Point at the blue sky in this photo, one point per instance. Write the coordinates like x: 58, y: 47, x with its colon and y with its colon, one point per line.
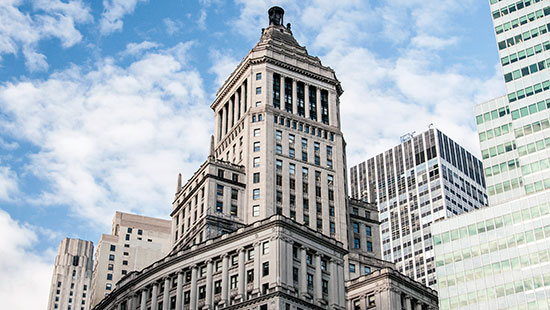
x: 103, y: 103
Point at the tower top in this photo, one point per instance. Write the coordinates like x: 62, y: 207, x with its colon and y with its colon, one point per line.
x: 276, y: 15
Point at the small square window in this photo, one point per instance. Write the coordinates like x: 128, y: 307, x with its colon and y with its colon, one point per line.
x: 258, y: 90
x: 258, y: 76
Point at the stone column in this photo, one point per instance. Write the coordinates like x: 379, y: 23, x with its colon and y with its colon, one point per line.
x: 395, y: 299
x: 280, y: 248
x: 318, y: 105
x: 418, y: 306
x: 154, y: 298
x: 306, y: 100
x: 257, y: 268
x: 289, y: 265
x: 144, y: 299
x: 225, y: 280
x: 243, y: 103
x: 333, y: 285
x: 303, y: 271
x: 242, y: 277
x: 341, y: 286
x: 179, y: 291
x: 318, y: 284
x: 408, y: 303
x: 282, y: 93
x: 193, y: 293
x: 225, y: 119
x: 166, y: 294
x: 209, y: 283
x: 238, y: 105
x: 131, y: 303
x: 294, y: 97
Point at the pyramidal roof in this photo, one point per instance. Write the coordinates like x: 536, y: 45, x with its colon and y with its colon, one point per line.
x: 278, y: 45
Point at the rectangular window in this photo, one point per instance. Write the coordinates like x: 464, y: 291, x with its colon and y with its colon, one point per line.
x: 265, y: 248
x: 219, y: 190
x: 369, y: 246
x: 256, y: 161
x: 258, y: 90
x: 324, y: 107
x: 256, y: 194
x: 256, y: 146
x: 256, y: 177
x: 276, y: 90
x: 219, y: 206
x: 292, y: 169
x: 312, y: 103
x: 278, y: 135
x: 288, y: 95
x: 265, y: 269
x: 257, y: 132
x: 258, y: 76
x: 300, y: 100
x: 256, y: 210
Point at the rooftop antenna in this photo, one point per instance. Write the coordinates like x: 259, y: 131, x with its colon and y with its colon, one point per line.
x: 406, y: 137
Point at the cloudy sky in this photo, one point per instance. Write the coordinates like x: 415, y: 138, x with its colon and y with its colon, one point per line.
x: 102, y: 103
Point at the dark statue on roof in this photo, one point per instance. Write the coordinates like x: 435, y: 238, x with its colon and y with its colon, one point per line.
x: 276, y: 16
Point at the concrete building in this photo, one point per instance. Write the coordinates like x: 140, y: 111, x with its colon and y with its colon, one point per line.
x: 425, y: 179
x: 265, y: 222
x: 497, y: 258
x: 72, y: 275
x: 135, y: 242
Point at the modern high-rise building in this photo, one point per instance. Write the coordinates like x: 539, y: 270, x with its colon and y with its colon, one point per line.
x: 497, y: 258
x: 263, y: 223
x: 72, y: 275
x: 426, y: 178
x: 135, y: 242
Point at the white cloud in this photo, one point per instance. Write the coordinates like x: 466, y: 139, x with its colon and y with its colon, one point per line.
x: 22, y: 269
x: 201, y: 22
x: 48, y: 19
x: 222, y: 66
x: 387, y: 94
x: 172, y: 26
x: 112, y: 138
x: 113, y: 13
x: 8, y: 183
x: 138, y: 48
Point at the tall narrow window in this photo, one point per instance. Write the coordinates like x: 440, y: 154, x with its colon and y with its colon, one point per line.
x: 276, y: 90
x: 313, y: 103
x: 300, y: 100
x: 324, y: 106
x: 288, y: 95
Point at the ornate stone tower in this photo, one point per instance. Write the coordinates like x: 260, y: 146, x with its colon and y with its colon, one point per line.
x: 278, y: 116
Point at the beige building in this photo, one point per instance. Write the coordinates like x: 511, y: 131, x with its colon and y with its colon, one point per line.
x: 135, y: 242
x: 387, y: 289
x: 72, y: 275
x: 265, y: 222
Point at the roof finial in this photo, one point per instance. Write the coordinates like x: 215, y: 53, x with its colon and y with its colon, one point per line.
x: 276, y: 16
x: 178, y: 189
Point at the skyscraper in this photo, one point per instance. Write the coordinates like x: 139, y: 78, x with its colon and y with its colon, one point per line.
x: 497, y: 258
x: 72, y: 275
x: 427, y: 178
x: 263, y: 223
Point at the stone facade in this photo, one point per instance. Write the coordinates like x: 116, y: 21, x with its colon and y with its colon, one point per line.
x: 265, y: 222
x: 135, y: 242
x: 72, y: 275
x: 388, y: 289
x: 272, y: 264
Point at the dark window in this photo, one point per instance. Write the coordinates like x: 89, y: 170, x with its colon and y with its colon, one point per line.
x: 265, y: 269
x: 276, y: 90
x: 75, y: 260
x: 288, y: 95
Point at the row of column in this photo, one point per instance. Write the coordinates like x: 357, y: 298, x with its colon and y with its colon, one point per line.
x: 281, y: 254
x: 193, y: 296
x: 307, y: 109
x: 336, y: 294
x: 232, y: 111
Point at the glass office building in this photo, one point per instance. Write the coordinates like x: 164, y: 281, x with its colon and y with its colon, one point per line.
x: 498, y: 257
